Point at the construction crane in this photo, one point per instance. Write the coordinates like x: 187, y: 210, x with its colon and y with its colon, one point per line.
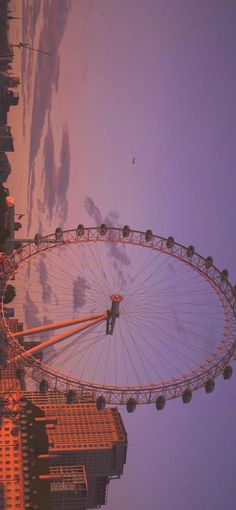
x: 24, y: 45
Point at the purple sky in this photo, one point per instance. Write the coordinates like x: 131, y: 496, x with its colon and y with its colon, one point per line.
x: 154, y: 80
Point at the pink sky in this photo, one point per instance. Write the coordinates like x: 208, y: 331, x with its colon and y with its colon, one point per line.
x: 153, y: 80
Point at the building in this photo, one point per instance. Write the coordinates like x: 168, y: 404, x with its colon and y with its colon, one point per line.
x: 54, y: 455
x: 8, y: 98
x: 6, y: 140
x: 5, y: 167
x: 8, y: 80
x: 9, y: 380
x: 80, y: 435
x: 58, y: 456
x: 11, y: 473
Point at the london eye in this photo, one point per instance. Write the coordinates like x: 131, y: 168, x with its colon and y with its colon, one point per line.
x: 121, y: 316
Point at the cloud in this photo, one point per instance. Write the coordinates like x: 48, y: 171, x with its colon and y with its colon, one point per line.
x: 43, y: 279
x: 111, y: 220
x: 93, y: 211
x: 79, y: 292
x: 47, y: 68
x: 56, y: 178
x: 118, y: 253
x: 31, y: 312
x: 55, y: 15
x: 41, y: 206
x: 63, y: 176
x: 32, y: 318
x: 30, y: 17
x: 50, y: 171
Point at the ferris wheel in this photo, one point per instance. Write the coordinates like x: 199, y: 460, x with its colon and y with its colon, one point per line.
x: 120, y: 316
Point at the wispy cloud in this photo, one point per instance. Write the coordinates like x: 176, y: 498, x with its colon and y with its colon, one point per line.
x: 30, y: 16
x: 31, y: 312
x: 93, y: 211
x: 33, y: 318
x: 63, y: 177
x: 47, y: 70
x: 49, y: 171
x: 79, y: 292
x: 56, y: 178
x: 111, y: 220
x: 43, y: 279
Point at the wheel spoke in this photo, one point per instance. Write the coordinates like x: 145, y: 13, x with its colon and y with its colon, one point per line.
x: 175, y: 320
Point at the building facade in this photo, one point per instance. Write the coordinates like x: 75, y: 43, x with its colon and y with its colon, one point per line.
x: 58, y: 456
x: 81, y: 436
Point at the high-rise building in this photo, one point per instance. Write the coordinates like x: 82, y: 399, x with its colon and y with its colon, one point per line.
x: 80, y: 435
x: 9, y: 380
x: 55, y: 455
x: 11, y: 472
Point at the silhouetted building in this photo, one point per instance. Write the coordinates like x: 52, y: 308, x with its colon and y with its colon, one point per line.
x: 6, y: 140
x: 5, y: 167
x: 8, y: 98
x: 8, y: 80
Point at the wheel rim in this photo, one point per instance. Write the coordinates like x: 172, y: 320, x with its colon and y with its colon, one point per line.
x: 193, y: 376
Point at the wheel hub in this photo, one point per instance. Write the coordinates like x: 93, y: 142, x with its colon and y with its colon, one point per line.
x: 113, y: 313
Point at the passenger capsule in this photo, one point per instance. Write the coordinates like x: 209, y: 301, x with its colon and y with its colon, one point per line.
x: 103, y: 229
x: 190, y: 251
x: 187, y: 396
x: 71, y: 397
x: 148, y: 235
x: 170, y: 242
x: 37, y: 239
x: 126, y: 231
x: 80, y: 230
x: 209, y: 385
x: 131, y: 405
x: 20, y: 374
x: 224, y: 275
x: 100, y: 403
x: 58, y: 234
x: 160, y: 403
x: 208, y: 262
x: 43, y: 386
x: 228, y: 371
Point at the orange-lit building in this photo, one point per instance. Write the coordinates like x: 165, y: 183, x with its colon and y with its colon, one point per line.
x: 11, y: 474
x: 55, y: 455
x: 8, y: 379
x: 80, y: 435
x: 58, y: 456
